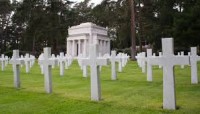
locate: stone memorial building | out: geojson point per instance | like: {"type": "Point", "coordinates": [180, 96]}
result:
{"type": "Point", "coordinates": [82, 35]}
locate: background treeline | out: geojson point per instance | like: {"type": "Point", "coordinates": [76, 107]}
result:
{"type": "Point", "coordinates": [30, 25]}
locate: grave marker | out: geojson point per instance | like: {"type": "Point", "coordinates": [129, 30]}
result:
{"type": "Point", "coordinates": [194, 58]}
{"type": "Point", "coordinates": [182, 54]}
{"type": "Point", "coordinates": [16, 62]}
{"type": "Point", "coordinates": [47, 67]}
{"type": "Point", "coordinates": [168, 61]}
{"type": "Point", "coordinates": [94, 64]}
{"type": "Point", "coordinates": [62, 63]}
{"type": "Point", "coordinates": [149, 66]}
{"type": "Point", "coordinates": [3, 61]}
{"type": "Point", "coordinates": [113, 59]}
{"type": "Point", "coordinates": [27, 62]}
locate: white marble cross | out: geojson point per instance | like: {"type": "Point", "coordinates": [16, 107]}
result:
{"type": "Point", "coordinates": [119, 56]}
{"type": "Point", "coordinates": [22, 58]}
{"type": "Point", "coordinates": [3, 61]}
{"type": "Point", "coordinates": [69, 61]}
{"type": "Point", "coordinates": [143, 62]}
{"type": "Point", "coordinates": [160, 55]}
{"type": "Point", "coordinates": [57, 57]}
{"type": "Point", "coordinates": [47, 67]}
{"type": "Point", "coordinates": [7, 60]}
{"type": "Point", "coordinates": [62, 60]}
{"type": "Point", "coordinates": [168, 61]}
{"type": "Point", "coordinates": [182, 54]}
{"type": "Point", "coordinates": [194, 58]}
{"type": "Point", "coordinates": [94, 62]}
{"type": "Point", "coordinates": [113, 59]}
{"type": "Point", "coordinates": [189, 53]}
{"type": "Point", "coordinates": [27, 62]}
{"type": "Point", "coordinates": [53, 57]}
{"type": "Point", "coordinates": [149, 66]}
{"type": "Point", "coordinates": [16, 62]}
{"type": "Point", "coordinates": [83, 67]}
{"type": "Point", "coordinates": [138, 57]}
{"type": "Point", "coordinates": [85, 72]}
{"type": "Point", "coordinates": [79, 58]}
{"type": "Point", "coordinates": [32, 60]}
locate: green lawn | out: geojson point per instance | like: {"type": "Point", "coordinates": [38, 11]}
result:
{"type": "Point", "coordinates": [130, 94]}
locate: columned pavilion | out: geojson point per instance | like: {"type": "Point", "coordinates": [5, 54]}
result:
{"type": "Point", "coordinates": [82, 35]}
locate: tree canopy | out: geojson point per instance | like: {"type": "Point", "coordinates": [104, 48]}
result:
{"type": "Point", "coordinates": [30, 25]}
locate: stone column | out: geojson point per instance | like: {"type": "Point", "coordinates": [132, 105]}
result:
{"type": "Point", "coordinates": [68, 47]}
{"type": "Point", "coordinates": [104, 47]}
{"type": "Point", "coordinates": [95, 40]}
{"type": "Point", "coordinates": [108, 46]}
{"type": "Point", "coordinates": [84, 47]}
{"type": "Point", "coordinates": [101, 47]}
{"type": "Point", "coordinates": [79, 47]}
{"type": "Point", "coordinates": [73, 48]}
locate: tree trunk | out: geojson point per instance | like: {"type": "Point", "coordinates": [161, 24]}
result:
{"type": "Point", "coordinates": [140, 27]}
{"type": "Point", "coordinates": [133, 32]}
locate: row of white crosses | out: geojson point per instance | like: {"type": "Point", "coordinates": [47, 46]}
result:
{"type": "Point", "coordinates": [181, 54]}
{"type": "Point", "coordinates": [29, 61]}
{"type": "Point", "coordinates": [123, 59]}
{"type": "Point", "coordinates": [16, 61]}
{"type": "Point", "coordinates": [63, 61]}
{"type": "Point", "coordinates": [168, 60]}
{"type": "Point", "coordinates": [4, 61]}
{"type": "Point", "coordinates": [194, 58]}
{"type": "Point", "coordinates": [69, 61]}
{"type": "Point", "coordinates": [141, 60]}
{"type": "Point", "coordinates": [92, 61]}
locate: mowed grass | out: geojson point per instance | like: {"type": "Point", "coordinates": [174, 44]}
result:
{"type": "Point", "coordinates": [130, 94]}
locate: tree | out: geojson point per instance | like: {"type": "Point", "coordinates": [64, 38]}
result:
{"type": "Point", "coordinates": [187, 24]}
{"type": "Point", "coordinates": [133, 32]}
{"type": "Point", "coordinates": [5, 22]}
{"type": "Point", "coordinates": [45, 23]}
